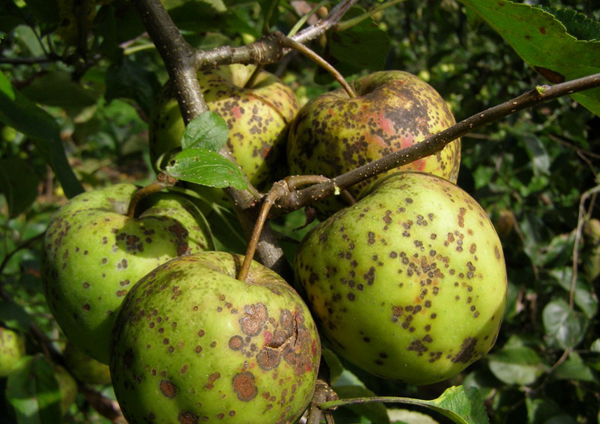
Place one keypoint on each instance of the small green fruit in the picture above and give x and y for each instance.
(333, 133)
(258, 117)
(67, 387)
(85, 368)
(410, 282)
(12, 349)
(94, 254)
(193, 344)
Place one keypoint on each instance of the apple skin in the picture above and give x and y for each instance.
(410, 282)
(12, 349)
(85, 368)
(93, 254)
(258, 118)
(334, 134)
(193, 344)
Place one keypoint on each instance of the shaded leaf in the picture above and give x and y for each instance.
(22, 114)
(574, 369)
(544, 43)
(19, 184)
(516, 365)
(126, 79)
(206, 131)
(34, 393)
(564, 326)
(206, 167)
(58, 89)
(14, 316)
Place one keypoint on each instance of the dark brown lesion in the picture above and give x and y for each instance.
(467, 351)
(168, 389)
(244, 386)
(254, 318)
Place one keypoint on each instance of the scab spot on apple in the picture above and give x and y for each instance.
(254, 318)
(244, 386)
(187, 417)
(167, 388)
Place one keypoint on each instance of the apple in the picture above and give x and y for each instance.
(334, 133)
(67, 387)
(410, 282)
(193, 344)
(94, 253)
(85, 368)
(12, 349)
(258, 117)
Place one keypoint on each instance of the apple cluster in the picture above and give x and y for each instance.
(408, 283)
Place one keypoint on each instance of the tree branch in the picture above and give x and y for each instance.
(183, 61)
(540, 94)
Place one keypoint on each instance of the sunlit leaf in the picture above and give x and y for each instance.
(206, 131)
(206, 167)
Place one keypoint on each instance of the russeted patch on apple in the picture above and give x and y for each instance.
(334, 133)
(193, 344)
(94, 253)
(410, 282)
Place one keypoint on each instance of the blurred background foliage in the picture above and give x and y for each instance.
(95, 73)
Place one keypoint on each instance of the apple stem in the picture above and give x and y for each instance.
(278, 190)
(254, 76)
(293, 44)
(162, 181)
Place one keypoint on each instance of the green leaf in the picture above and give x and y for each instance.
(127, 79)
(19, 184)
(34, 393)
(462, 405)
(14, 316)
(20, 113)
(545, 43)
(564, 326)
(574, 369)
(585, 297)
(58, 89)
(516, 365)
(206, 131)
(363, 46)
(206, 167)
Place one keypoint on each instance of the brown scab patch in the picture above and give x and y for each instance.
(187, 417)
(254, 318)
(243, 385)
(168, 389)
(461, 217)
(236, 342)
(467, 351)
(211, 380)
(268, 358)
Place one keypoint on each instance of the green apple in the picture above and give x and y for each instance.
(193, 344)
(334, 133)
(12, 349)
(67, 387)
(85, 368)
(94, 253)
(410, 282)
(258, 117)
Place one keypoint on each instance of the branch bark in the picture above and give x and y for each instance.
(183, 61)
